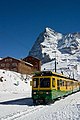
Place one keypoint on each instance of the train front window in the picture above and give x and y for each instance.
(44, 82)
(35, 82)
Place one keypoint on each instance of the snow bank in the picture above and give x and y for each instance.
(14, 82)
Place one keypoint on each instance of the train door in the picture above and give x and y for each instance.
(66, 84)
(35, 82)
(58, 85)
(53, 83)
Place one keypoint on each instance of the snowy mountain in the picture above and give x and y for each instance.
(65, 48)
(70, 43)
(45, 46)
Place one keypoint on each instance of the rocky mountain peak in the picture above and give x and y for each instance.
(65, 48)
(46, 44)
(70, 43)
(50, 41)
(47, 30)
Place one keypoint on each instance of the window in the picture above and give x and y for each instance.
(2, 65)
(53, 82)
(35, 82)
(14, 64)
(8, 60)
(44, 82)
(7, 64)
(60, 82)
(66, 84)
(14, 69)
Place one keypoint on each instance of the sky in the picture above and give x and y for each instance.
(21, 22)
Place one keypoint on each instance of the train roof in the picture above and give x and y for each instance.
(51, 73)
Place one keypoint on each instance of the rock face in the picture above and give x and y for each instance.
(70, 43)
(46, 45)
(65, 48)
(49, 43)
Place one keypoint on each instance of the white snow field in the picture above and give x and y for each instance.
(22, 108)
(16, 102)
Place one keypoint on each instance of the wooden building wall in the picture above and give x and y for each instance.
(9, 63)
(16, 65)
(25, 69)
(34, 61)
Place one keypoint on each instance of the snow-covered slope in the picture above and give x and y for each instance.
(14, 82)
(65, 48)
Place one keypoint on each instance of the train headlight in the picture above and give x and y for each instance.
(47, 93)
(34, 93)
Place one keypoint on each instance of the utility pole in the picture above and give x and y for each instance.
(73, 74)
(55, 61)
(55, 64)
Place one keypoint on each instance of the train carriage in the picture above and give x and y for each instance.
(48, 86)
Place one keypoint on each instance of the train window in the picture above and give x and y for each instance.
(69, 83)
(66, 84)
(44, 82)
(35, 82)
(53, 82)
(60, 82)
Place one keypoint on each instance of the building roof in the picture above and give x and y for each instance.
(25, 62)
(32, 57)
(17, 60)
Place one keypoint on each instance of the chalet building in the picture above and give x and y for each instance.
(34, 61)
(16, 65)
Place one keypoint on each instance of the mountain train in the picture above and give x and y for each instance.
(47, 86)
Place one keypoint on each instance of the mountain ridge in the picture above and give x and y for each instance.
(50, 40)
(65, 48)
(45, 40)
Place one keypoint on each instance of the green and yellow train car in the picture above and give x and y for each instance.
(48, 86)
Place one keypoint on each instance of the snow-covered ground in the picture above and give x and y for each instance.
(22, 108)
(16, 102)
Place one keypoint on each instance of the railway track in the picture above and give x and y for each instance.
(20, 114)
